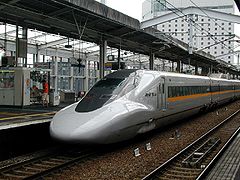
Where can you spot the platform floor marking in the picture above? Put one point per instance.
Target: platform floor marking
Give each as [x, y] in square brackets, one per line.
[27, 116]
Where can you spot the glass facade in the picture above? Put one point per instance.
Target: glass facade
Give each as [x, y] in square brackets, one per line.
[158, 5]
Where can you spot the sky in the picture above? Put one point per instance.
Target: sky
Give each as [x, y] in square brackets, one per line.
[132, 8]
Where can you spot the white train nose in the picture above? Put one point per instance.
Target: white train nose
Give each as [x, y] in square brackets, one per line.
[80, 135]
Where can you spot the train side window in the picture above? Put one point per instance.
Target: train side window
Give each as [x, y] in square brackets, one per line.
[170, 92]
[180, 91]
[186, 90]
[163, 88]
[174, 91]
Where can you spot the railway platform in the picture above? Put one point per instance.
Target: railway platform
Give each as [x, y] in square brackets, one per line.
[228, 166]
[16, 117]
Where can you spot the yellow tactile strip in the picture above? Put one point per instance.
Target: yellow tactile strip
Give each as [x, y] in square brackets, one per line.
[26, 116]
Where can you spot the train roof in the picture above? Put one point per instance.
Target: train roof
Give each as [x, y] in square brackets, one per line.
[173, 74]
[121, 74]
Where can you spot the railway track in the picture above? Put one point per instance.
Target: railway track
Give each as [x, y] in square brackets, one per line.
[44, 165]
[196, 160]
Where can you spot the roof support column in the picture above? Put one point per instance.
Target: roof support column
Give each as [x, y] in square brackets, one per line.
[24, 48]
[151, 60]
[178, 66]
[103, 57]
[119, 58]
[86, 74]
[172, 66]
[16, 43]
[205, 70]
[71, 80]
[55, 73]
[21, 46]
[196, 69]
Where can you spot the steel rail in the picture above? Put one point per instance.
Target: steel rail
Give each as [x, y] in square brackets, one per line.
[203, 173]
[44, 165]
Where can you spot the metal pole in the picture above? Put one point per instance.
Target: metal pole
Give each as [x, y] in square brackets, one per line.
[119, 56]
[5, 40]
[190, 44]
[16, 42]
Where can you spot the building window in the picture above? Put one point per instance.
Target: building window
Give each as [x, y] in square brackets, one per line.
[215, 28]
[222, 24]
[229, 23]
[201, 43]
[215, 47]
[215, 52]
[169, 30]
[169, 25]
[222, 52]
[175, 29]
[229, 57]
[208, 43]
[182, 39]
[176, 20]
[222, 28]
[202, 19]
[175, 25]
[182, 25]
[163, 25]
[229, 28]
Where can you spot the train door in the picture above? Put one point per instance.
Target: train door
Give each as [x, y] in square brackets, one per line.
[162, 94]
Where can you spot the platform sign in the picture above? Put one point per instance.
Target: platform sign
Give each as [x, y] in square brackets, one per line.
[111, 58]
[108, 66]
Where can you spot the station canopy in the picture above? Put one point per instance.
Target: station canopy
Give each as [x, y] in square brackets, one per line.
[93, 22]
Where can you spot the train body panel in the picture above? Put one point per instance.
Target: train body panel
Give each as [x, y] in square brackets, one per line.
[130, 102]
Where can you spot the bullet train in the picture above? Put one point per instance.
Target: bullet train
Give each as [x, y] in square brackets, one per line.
[126, 103]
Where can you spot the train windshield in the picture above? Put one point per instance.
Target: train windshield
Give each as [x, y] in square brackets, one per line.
[103, 92]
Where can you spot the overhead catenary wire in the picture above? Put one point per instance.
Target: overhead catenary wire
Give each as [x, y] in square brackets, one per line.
[214, 21]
